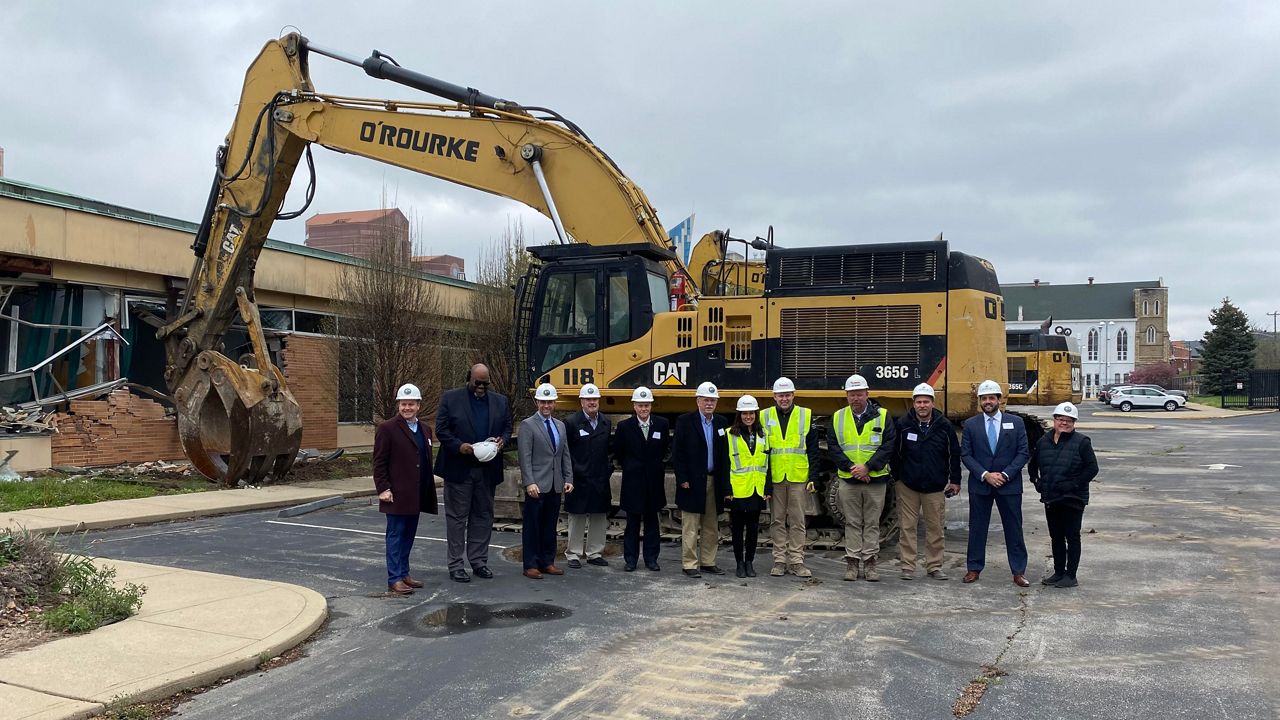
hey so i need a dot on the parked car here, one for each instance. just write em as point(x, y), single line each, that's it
point(1104, 395)
point(1128, 398)
point(1180, 393)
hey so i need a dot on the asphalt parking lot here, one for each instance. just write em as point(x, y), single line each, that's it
point(1176, 615)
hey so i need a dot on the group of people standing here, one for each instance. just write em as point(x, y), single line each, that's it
point(762, 459)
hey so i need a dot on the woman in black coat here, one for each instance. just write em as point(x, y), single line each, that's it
point(406, 485)
point(748, 456)
point(640, 447)
point(1066, 465)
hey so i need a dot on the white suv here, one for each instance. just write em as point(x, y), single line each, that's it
point(1129, 398)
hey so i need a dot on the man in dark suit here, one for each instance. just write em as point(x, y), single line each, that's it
point(587, 434)
point(994, 449)
point(640, 446)
point(469, 415)
point(405, 484)
point(700, 457)
point(546, 473)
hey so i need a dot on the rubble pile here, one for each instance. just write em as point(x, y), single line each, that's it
point(28, 420)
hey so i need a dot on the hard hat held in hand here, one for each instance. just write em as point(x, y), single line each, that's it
point(1067, 409)
point(589, 391)
point(545, 391)
point(989, 387)
point(747, 403)
point(856, 382)
point(922, 389)
point(708, 390)
point(408, 391)
point(485, 451)
point(783, 385)
point(642, 394)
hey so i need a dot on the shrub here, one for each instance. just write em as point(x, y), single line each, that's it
point(93, 598)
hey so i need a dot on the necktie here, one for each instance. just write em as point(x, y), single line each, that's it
point(644, 431)
point(550, 433)
point(992, 434)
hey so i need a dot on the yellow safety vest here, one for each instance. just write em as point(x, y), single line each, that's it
point(747, 469)
point(859, 447)
point(788, 456)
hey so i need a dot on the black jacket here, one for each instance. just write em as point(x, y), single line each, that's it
point(592, 466)
point(643, 461)
point(1066, 468)
point(689, 460)
point(455, 425)
point(926, 461)
point(881, 457)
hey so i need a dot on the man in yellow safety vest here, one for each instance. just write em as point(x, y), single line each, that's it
point(793, 465)
point(861, 440)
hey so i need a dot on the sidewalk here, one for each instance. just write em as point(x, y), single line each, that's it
point(117, 513)
point(194, 628)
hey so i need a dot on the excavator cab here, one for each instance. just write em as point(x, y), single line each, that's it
point(580, 299)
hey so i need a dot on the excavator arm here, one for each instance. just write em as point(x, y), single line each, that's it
point(239, 421)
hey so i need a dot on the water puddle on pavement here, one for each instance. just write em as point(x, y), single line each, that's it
point(458, 618)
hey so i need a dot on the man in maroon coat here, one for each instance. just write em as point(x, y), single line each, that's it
point(405, 483)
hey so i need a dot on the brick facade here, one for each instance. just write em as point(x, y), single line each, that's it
point(120, 428)
point(310, 368)
point(1151, 308)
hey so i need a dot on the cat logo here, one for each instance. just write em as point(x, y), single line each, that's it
point(670, 373)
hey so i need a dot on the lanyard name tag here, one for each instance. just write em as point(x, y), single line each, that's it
point(657, 435)
point(583, 432)
point(720, 432)
point(875, 439)
point(912, 436)
point(1008, 426)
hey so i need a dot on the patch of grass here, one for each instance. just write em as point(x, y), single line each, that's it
point(122, 709)
point(57, 490)
point(1210, 400)
point(93, 598)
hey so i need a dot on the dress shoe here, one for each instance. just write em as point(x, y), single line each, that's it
point(1052, 579)
point(532, 574)
point(399, 588)
point(552, 570)
point(459, 576)
point(938, 574)
point(575, 563)
point(711, 569)
point(751, 568)
point(411, 582)
point(971, 576)
point(653, 566)
point(778, 570)
point(799, 570)
point(1066, 582)
point(629, 567)
point(1021, 581)
point(598, 561)
point(741, 570)
point(692, 572)
point(483, 572)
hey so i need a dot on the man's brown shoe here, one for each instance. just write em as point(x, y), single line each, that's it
point(533, 574)
point(1021, 581)
point(552, 570)
point(399, 588)
point(971, 576)
point(411, 582)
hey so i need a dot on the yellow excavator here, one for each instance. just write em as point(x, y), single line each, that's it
point(611, 304)
point(1043, 369)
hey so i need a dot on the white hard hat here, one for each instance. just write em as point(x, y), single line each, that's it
point(589, 391)
point(546, 391)
point(747, 403)
point(408, 391)
point(922, 389)
point(1067, 409)
point(989, 387)
point(707, 389)
point(856, 382)
point(642, 394)
point(783, 385)
point(485, 451)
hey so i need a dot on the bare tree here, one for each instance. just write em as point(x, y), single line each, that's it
point(492, 330)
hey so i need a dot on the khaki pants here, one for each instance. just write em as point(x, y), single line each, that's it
point(861, 503)
point(786, 522)
point(700, 533)
point(911, 505)
point(593, 526)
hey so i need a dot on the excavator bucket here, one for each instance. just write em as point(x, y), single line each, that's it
point(236, 422)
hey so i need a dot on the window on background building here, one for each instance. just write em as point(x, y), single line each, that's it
point(1157, 307)
point(1122, 344)
point(1117, 381)
point(1145, 309)
point(1126, 377)
point(1151, 334)
point(1093, 345)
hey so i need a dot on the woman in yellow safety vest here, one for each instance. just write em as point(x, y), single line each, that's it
point(750, 482)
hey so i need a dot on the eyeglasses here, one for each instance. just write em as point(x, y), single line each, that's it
point(480, 383)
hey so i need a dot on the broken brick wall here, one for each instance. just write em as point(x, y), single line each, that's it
point(310, 368)
point(120, 428)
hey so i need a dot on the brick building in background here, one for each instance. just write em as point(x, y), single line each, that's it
point(357, 233)
point(450, 266)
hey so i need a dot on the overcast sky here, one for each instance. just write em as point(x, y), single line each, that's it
point(1128, 141)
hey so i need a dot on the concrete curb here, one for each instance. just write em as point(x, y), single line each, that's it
point(311, 507)
point(194, 628)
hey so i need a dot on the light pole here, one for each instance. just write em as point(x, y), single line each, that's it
point(1106, 342)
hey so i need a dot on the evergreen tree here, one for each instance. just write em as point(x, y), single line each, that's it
point(1227, 355)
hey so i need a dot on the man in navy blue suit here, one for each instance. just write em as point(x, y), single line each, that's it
point(994, 449)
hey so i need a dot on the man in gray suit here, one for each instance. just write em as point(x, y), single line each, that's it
point(546, 471)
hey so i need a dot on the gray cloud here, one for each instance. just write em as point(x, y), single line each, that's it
point(1059, 140)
